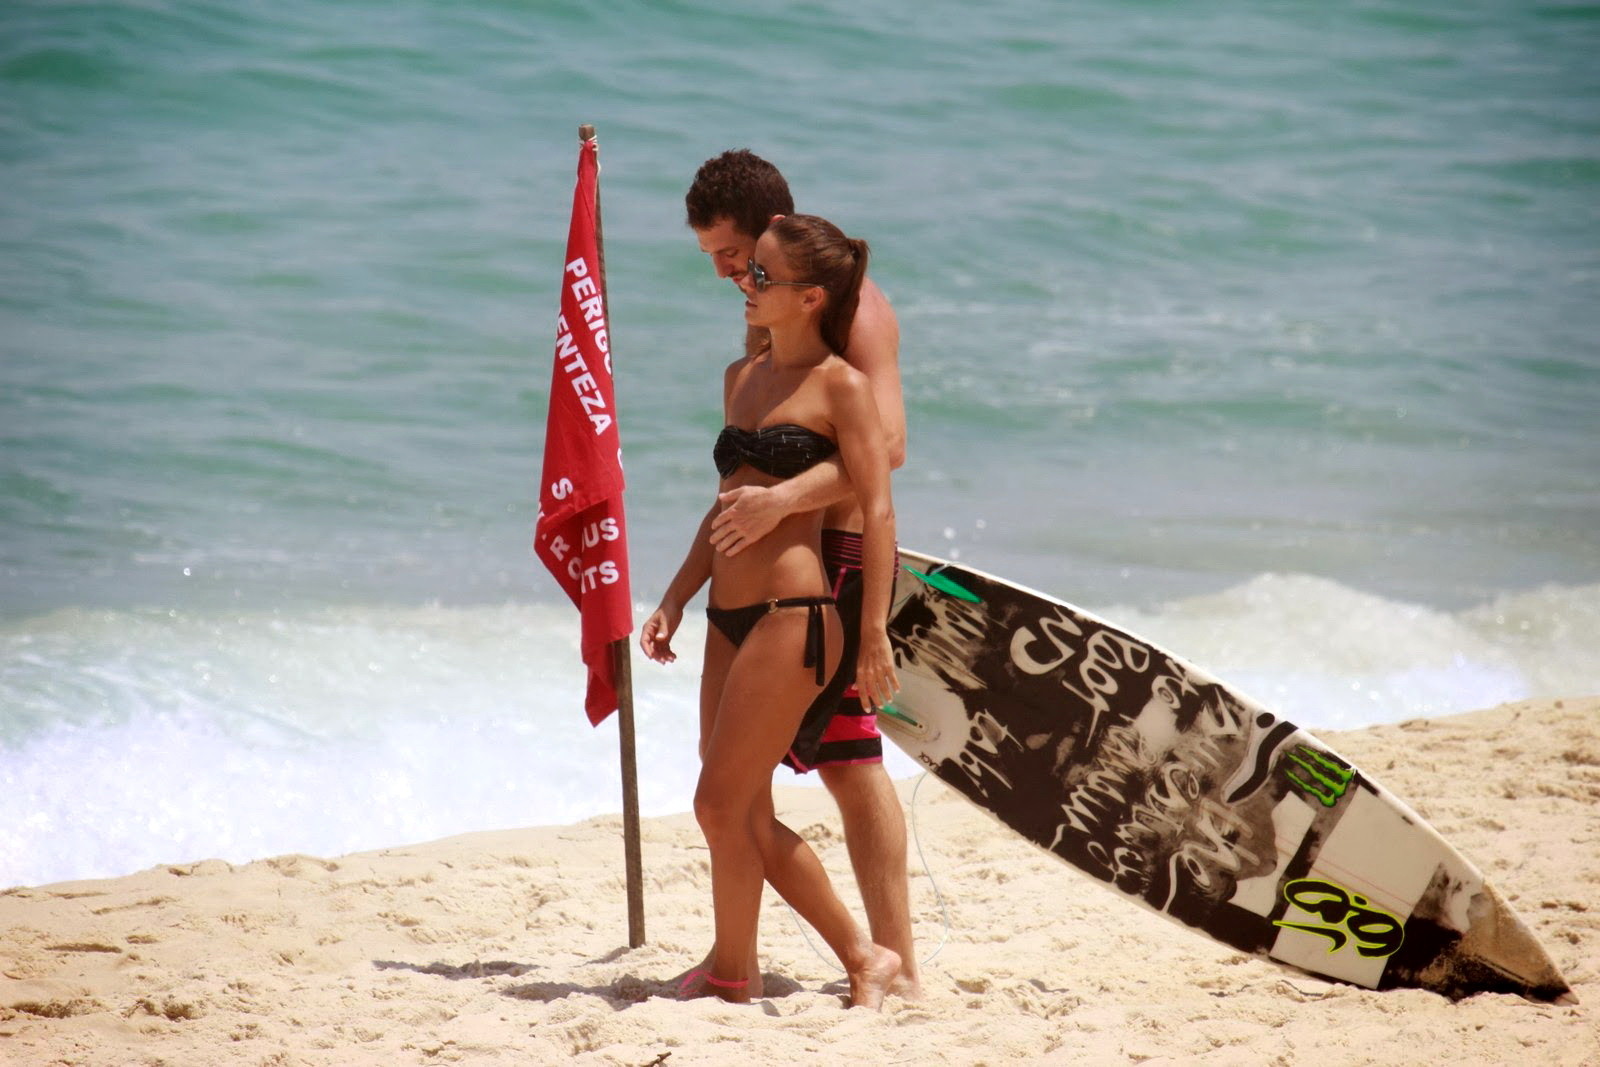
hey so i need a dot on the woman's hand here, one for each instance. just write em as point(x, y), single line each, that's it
point(875, 677)
point(655, 638)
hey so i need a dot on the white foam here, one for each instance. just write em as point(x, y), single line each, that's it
point(1327, 656)
point(132, 739)
point(148, 739)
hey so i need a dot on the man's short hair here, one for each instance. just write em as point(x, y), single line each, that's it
point(741, 186)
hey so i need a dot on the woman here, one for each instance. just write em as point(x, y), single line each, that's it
point(772, 673)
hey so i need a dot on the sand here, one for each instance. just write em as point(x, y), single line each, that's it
point(510, 947)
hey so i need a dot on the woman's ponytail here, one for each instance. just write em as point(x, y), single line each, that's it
point(819, 252)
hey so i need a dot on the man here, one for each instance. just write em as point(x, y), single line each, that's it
point(733, 199)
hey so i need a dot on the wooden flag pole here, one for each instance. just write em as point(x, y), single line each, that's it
point(622, 659)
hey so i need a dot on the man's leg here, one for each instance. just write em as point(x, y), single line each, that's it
point(875, 835)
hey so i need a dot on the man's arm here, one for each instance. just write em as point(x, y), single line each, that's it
point(875, 351)
point(750, 512)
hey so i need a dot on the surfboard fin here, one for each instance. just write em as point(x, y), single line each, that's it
point(895, 713)
point(947, 585)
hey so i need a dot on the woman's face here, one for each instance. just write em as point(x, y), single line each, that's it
point(783, 299)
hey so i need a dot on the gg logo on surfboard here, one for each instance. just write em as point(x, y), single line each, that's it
point(1344, 915)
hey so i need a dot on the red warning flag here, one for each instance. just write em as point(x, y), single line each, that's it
point(580, 534)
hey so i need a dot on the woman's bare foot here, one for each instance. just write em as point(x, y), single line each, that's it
point(702, 983)
point(755, 986)
point(871, 981)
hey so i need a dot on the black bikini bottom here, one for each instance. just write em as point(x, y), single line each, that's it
point(736, 624)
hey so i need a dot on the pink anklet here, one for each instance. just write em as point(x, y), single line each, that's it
point(710, 979)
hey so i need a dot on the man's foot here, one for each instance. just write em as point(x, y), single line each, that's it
point(871, 981)
point(907, 985)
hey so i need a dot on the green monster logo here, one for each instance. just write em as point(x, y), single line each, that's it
point(1329, 777)
point(1344, 915)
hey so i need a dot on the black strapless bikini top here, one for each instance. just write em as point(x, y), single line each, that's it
point(782, 451)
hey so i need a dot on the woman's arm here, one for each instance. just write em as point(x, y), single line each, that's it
point(655, 637)
point(865, 454)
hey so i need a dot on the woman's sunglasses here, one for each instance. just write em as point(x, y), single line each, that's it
point(759, 279)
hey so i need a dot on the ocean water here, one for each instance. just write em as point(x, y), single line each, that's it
point(1274, 337)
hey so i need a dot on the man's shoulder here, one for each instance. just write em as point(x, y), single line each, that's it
point(875, 332)
point(874, 301)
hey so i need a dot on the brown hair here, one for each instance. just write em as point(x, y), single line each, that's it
point(741, 186)
point(819, 252)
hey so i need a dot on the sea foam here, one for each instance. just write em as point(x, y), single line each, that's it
point(129, 739)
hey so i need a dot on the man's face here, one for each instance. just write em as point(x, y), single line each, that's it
point(728, 248)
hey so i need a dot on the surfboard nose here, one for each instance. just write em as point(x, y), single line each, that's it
point(1497, 953)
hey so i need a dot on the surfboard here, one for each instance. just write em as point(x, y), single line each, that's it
point(1183, 795)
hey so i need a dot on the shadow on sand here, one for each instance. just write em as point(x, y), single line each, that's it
point(626, 990)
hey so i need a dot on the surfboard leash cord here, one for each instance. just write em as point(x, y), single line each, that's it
point(944, 910)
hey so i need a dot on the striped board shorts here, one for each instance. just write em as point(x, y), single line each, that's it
point(851, 736)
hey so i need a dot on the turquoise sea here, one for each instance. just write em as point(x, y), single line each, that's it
point(1269, 330)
